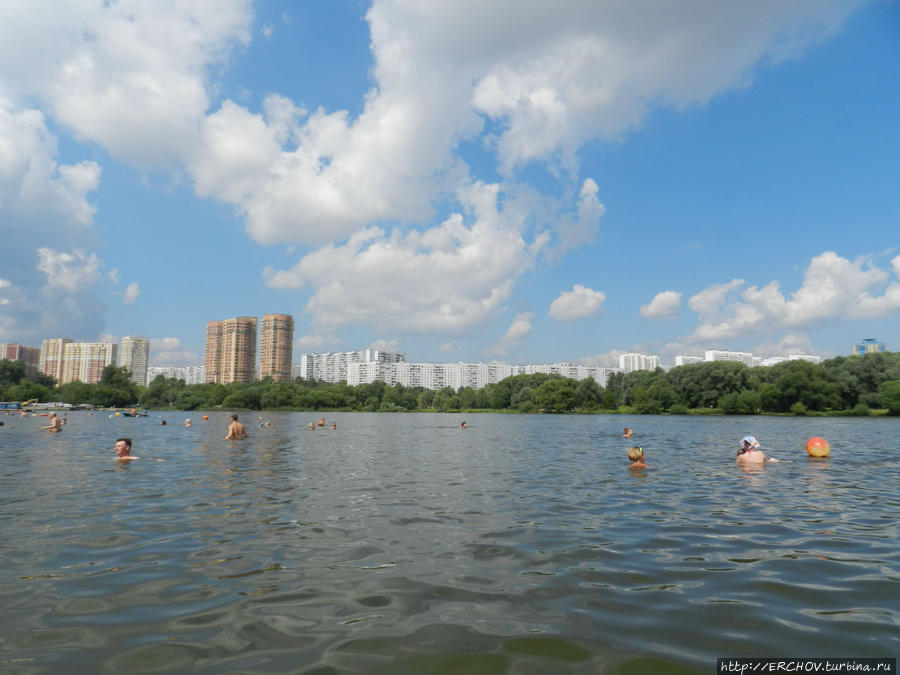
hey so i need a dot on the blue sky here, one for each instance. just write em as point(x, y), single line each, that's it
point(522, 181)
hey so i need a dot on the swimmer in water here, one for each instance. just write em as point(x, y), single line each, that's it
point(55, 424)
point(123, 450)
point(636, 455)
point(628, 433)
point(236, 430)
point(749, 453)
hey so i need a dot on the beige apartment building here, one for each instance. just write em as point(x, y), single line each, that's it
point(231, 350)
point(213, 358)
point(276, 347)
point(50, 361)
point(85, 361)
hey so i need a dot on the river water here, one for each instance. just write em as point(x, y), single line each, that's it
point(401, 543)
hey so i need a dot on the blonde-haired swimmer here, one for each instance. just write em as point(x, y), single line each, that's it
point(55, 424)
point(636, 455)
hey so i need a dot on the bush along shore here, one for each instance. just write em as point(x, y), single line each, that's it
point(845, 385)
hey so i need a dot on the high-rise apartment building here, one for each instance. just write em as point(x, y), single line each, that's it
point(276, 341)
point(456, 375)
point(30, 356)
point(134, 354)
point(231, 350)
point(85, 361)
point(190, 374)
point(212, 360)
point(630, 362)
point(50, 361)
point(332, 366)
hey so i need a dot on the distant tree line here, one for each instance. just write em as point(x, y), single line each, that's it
point(853, 385)
point(115, 388)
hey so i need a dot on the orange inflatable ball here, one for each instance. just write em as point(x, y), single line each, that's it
point(206, 417)
point(817, 447)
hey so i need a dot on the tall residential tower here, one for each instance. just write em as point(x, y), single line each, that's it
point(134, 353)
point(231, 350)
point(276, 347)
point(50, 361)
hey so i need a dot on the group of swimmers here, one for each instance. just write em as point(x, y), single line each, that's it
point(748, 455)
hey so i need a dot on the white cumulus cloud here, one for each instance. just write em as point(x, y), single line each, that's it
point(131, 293)
point(578, 303)
point(128, 75)
point(446, 280)
point(70, 272)
point(516, 333)
point(547, 80)
point(311, 343)
point(385, 345)
point(169, 351)
point(664, 305)
point(832, 287)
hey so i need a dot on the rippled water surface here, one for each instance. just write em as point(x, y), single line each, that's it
point(404, 544)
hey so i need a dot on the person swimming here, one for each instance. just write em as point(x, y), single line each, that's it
point(636, 455)
point(749, 453)
point(628, 433)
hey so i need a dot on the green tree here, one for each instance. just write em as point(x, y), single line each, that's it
point(466, 397)
point(555, 396)
point(807, 383)
point(889, 396)
point(76, 392)
point(499, 395)
point(11, 372)
point(523, 396)
point(27, 390)
point(587, 394)
point(608, 400)
point(426, 398)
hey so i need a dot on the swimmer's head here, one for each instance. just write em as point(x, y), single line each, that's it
point(635, 453)
point(749, 443)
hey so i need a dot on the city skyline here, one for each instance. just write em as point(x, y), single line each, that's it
point(236, 339)
point(604, 180)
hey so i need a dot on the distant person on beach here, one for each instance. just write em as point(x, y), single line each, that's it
point(749, 453)
point(55, 424)
point(123, 450)
point(636, 455)
point(236, 430)
point(628, 433)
